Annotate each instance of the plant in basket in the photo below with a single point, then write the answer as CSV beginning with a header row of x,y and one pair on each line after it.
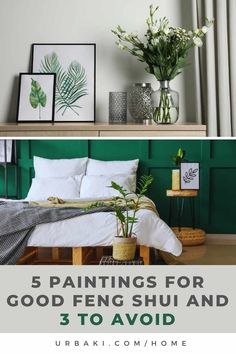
x,y
126,207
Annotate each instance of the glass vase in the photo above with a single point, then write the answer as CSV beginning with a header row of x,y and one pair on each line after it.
x,y
165,103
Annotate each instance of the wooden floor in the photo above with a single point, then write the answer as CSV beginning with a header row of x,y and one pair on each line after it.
x,y
218,250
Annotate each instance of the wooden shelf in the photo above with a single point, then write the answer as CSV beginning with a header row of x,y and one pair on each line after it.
x,y
100,130
182,193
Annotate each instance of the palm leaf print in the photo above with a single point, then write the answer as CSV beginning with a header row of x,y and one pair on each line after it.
x,y
71,85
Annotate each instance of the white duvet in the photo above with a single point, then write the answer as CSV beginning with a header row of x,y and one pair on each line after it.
x,y
99,229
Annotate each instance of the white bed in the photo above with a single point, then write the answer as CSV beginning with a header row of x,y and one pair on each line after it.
x,y
99,229
90,179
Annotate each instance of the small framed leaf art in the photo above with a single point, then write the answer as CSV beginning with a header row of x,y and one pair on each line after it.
x,y
75,69
190,175
36,99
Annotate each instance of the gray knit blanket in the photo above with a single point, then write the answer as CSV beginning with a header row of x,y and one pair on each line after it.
x,y
18,220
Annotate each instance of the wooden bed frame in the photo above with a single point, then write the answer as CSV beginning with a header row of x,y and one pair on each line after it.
x,y
80,255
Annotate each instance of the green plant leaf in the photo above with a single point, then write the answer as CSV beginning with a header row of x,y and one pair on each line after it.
x,y
126,220
144,183
119,214
71,85
118,188
37,95
181,153
131,220
179,157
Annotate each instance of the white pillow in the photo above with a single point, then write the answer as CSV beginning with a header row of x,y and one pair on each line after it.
x,y
97,186
43,188
47,168
111,168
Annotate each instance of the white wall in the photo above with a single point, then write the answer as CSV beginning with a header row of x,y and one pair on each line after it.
x,y
23,22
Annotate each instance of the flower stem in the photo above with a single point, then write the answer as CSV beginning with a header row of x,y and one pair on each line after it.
x,y
164,111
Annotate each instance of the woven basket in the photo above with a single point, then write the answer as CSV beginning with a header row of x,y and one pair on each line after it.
x,y
124,248
189,236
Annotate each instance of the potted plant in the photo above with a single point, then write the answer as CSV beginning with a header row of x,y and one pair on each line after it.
x,y
177,159
126,207
165,51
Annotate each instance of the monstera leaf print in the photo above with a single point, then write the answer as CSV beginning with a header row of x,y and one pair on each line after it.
x,y
38,97
71,85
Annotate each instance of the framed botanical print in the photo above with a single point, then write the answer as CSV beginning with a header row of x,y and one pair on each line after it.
x,y
36,98
190,175
75,69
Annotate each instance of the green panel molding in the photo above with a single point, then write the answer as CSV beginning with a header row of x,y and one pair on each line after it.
x,y
216,203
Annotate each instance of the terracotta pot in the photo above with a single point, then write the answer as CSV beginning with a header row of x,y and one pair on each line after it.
x,y
124,248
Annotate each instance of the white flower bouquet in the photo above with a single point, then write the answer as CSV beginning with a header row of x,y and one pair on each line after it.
x,y
165,48
165,51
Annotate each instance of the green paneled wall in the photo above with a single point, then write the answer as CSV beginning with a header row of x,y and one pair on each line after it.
x,y
216,204
12,190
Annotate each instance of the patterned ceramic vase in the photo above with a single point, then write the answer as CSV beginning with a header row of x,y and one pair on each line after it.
x,y
140,105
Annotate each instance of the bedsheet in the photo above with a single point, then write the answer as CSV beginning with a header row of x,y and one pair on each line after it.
x,y
99,229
